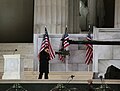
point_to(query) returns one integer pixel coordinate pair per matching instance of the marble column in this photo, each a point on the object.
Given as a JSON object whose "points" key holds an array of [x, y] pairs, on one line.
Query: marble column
{"points": [[73, 16], [92, 12], [50, 13], [117, 14]]}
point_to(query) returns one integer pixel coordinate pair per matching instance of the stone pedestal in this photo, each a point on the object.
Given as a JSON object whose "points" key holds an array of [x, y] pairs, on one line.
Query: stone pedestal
{"points": [[13, 67]]}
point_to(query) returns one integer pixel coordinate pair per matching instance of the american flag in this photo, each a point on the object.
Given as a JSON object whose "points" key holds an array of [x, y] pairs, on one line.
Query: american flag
{"points": [[64, 45], [89, 51], [46, 43]]}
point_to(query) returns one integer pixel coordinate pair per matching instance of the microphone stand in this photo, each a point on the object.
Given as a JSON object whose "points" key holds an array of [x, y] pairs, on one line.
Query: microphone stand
{"points": [[14, 51], [103, 86], [72, 76], [16, 87], [60, 86], [68, 81], [90, 85]]}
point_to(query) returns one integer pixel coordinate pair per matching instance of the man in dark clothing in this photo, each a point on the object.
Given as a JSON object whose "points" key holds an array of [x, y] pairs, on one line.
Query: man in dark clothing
{"points": [[44, 63], [90, 85]]}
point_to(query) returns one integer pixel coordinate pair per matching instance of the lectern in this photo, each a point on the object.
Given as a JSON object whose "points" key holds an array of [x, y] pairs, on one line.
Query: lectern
{"points": [[13, 67]]}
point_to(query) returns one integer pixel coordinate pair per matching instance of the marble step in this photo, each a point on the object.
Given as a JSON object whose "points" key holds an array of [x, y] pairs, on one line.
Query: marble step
{"points": [[79, 75]]}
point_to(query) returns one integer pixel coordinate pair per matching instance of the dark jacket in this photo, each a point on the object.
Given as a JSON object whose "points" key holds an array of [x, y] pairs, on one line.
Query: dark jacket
{"points": [[44, 62], [90, 87]]}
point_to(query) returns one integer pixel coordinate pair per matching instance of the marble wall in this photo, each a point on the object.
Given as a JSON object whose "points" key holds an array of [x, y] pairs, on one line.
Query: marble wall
{"points": [[74, 62], [24, 49], [106, 55], [50, 13], [55, 14]]}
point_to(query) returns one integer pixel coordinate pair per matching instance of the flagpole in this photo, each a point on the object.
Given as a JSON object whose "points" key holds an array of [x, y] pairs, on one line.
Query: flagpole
{"points": [[66, 62], [66, 26], [66, 56], [88, 67]]}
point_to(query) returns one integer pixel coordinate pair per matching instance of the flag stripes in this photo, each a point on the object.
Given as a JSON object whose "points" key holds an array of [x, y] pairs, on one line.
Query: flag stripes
{"points": [[65, 41], [89, 51], [46, 43], [64, 44]]}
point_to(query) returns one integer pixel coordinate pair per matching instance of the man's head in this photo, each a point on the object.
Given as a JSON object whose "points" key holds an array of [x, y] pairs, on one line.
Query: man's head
{"points": [[46, 49]]}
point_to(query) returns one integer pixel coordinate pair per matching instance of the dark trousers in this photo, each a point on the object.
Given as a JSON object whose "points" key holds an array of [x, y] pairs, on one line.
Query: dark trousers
{"points": [[41, 74]]}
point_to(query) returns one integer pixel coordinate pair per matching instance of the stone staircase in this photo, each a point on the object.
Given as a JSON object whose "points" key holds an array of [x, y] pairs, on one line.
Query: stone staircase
{"points": [[79, 75]]}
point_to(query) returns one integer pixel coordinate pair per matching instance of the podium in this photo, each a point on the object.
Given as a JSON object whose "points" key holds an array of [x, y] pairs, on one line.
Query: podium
{"points": [[13, 67]]}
